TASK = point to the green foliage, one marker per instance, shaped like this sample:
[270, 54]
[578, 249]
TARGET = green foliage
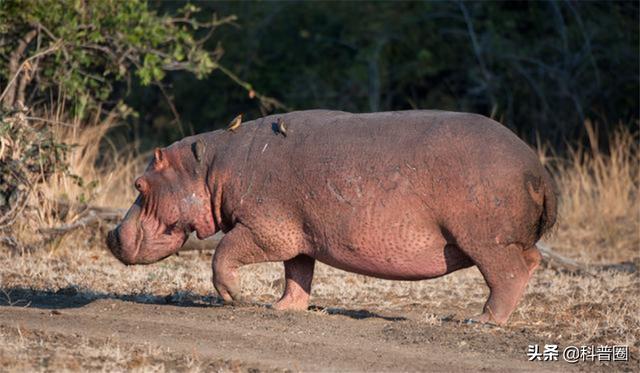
[82, 49]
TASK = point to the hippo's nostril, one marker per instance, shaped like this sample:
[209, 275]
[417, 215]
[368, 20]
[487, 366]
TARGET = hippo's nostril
[114, 244]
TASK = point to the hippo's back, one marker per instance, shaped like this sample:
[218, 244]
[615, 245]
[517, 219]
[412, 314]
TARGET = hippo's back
[432, 151]
[437, 142]
[352, 160]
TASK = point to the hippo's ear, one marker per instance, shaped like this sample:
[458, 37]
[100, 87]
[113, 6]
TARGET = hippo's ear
[198, 150]
[159, 159]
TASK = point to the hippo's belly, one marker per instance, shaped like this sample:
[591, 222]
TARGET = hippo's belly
[393, 239]
[388, 261]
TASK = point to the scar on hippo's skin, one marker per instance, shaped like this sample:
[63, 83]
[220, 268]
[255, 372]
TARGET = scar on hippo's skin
[235, 123]
[248, 189]
[410, 167]
[192, 200]
[336, 193]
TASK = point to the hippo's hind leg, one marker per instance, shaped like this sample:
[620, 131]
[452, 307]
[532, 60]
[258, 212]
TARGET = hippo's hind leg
[298, 273]
[506, 269]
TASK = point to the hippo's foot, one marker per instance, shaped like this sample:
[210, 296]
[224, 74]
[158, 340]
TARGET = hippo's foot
[295, 298]
[290, 303]
[226, 285]
[229, 297]
[484, 319]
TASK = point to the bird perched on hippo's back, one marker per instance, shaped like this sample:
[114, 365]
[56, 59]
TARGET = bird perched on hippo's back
[235, 123]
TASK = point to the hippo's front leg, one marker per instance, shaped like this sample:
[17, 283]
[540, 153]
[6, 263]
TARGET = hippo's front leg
[236, 249]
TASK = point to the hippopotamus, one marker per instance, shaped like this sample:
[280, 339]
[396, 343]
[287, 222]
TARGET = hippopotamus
[404, 195]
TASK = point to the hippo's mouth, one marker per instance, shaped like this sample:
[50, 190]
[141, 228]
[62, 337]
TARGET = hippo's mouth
[140, 247]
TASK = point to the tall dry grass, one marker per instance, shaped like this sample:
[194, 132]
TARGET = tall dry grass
[107, 171]
[98, 173]
[599, 205]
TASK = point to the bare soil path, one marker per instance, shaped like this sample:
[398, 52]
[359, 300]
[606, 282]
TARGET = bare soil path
[256, 337]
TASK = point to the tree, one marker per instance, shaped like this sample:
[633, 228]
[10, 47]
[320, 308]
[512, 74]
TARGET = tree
[80, 50]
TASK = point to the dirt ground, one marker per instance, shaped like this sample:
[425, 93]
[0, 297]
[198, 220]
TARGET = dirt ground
[255, 337]
[194, 333]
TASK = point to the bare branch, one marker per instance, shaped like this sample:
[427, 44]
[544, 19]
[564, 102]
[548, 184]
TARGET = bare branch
[268, 102]
[22, 86]
[15, 67]
[51, 49]
[553, 258]
[215, 22]
[477, 51]
[176, 115]
[91, 217]
[558, 261]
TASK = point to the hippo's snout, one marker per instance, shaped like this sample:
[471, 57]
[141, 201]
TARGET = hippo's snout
[115, 245]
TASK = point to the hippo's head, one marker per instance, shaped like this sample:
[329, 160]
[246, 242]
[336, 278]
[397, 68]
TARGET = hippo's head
[174, 201]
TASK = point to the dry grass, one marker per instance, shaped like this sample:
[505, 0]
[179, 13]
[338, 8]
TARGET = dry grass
[100, 174]
[600, 201]
[32, 351]
[599, 221]
[107, 171]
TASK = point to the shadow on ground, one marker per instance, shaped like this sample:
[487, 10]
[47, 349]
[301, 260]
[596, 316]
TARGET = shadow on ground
[355, 314]
[73, 297]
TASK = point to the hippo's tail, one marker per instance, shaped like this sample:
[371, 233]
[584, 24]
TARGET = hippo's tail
[550, 206]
